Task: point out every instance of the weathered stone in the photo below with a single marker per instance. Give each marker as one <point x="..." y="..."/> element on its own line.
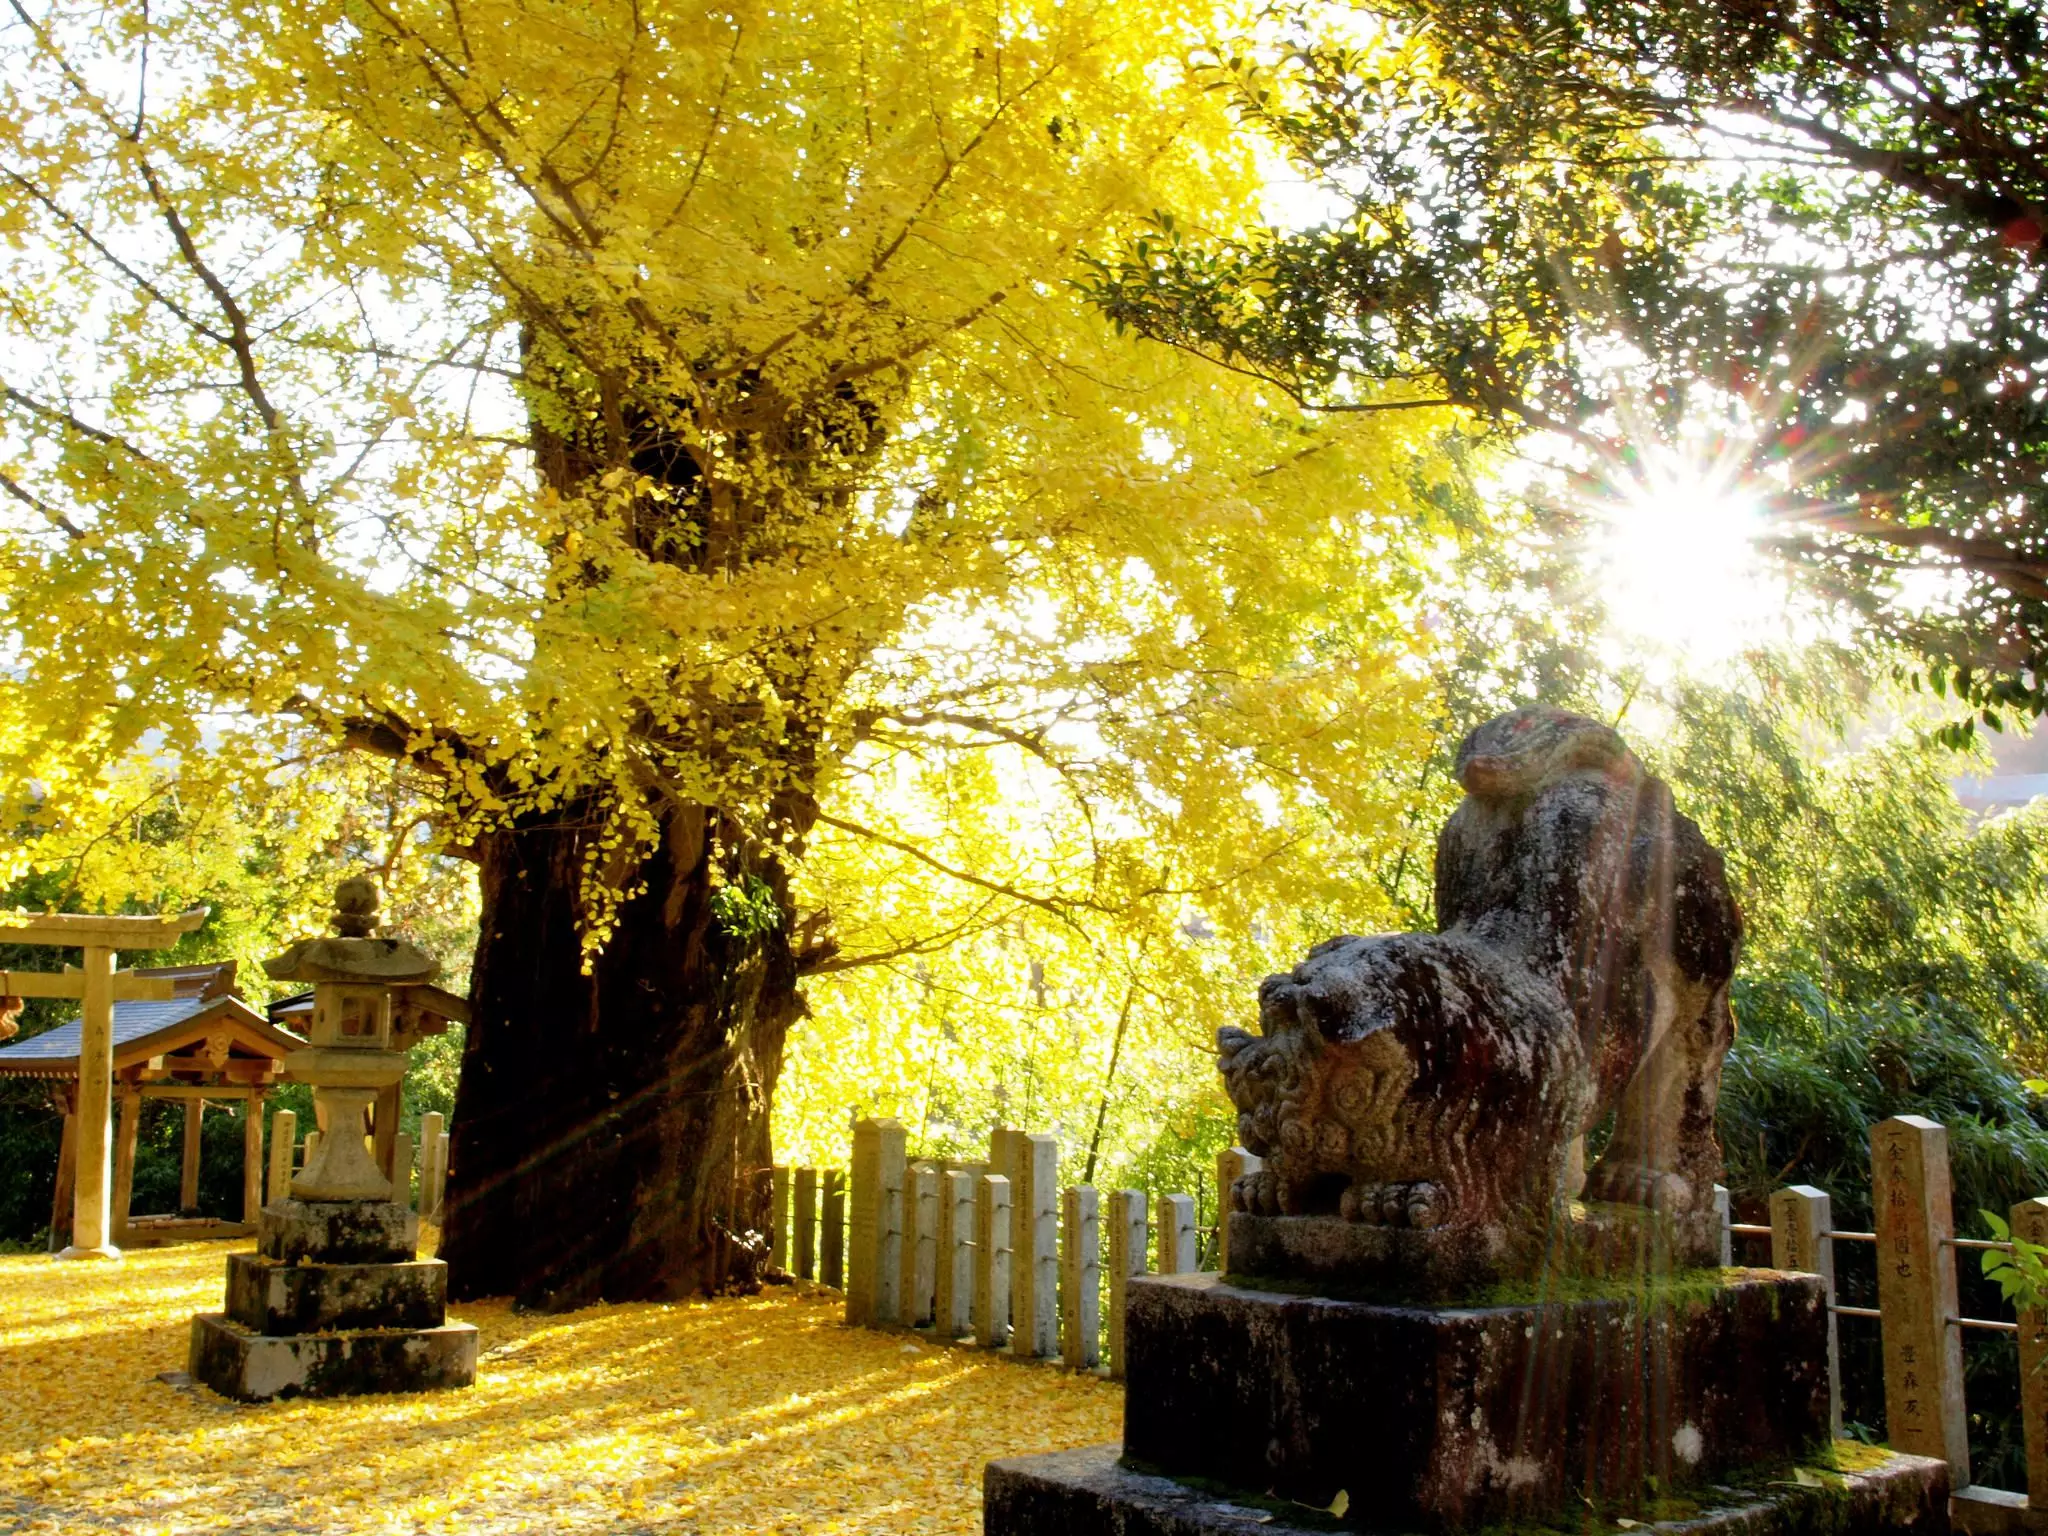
<point x="1585" y="942"/>
<point x="255" y="1367"/>
<point x="1436" y="1265"/>
<point x="1089" y="1492"/>
<point x="265" y="1296"/>
<point x="1450" y="1418"/>
<point x="337" y="1231"/>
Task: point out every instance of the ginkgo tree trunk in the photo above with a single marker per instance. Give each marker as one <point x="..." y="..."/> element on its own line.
<point x="647" y="418"/>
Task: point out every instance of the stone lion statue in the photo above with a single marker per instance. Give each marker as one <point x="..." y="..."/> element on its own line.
<point x="1585" y="941"/>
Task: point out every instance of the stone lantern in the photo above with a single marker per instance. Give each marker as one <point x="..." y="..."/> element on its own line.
<point x="349" y="1057"/>
<point x="336" y="1301"/>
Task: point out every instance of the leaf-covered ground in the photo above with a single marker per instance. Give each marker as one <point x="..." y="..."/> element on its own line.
<point x="754" y="1416"/>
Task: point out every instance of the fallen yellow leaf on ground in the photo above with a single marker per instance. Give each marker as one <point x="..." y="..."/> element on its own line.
<point x="709" y="1418"/>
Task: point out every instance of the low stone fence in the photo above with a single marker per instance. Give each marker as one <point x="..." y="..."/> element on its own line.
<point x="990" y="1253"/>
<point x="287" y="1156"/>
<point x="1918" y="1313"/>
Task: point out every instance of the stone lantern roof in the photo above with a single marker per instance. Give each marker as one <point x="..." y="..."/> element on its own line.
<point x="353" y="956"/>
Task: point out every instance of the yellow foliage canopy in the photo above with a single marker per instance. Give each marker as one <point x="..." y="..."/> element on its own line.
<point x="622" y="406"/>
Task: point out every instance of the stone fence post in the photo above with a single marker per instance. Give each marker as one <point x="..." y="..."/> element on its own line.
<point x="992" y="1262"/>
<point x="1232" y="1164"/>
<point x="832" y="1250"/>
<point x="1176" y="1235"/>
<point x="803" y="1237"/>
<point x="778" y="1216"/>
<point x="953" y="1273"/>
<point x="1080" y="1279"/>
<point x="1126" y="1258"/>
<point x="284" y="1130"/>
<point x="401" y="1168"/>
<point x="1035" y="1259"/>
<point x="1801" y="1218"/>
<point x="433" y="1165"/>
<point x="2030" y="1225"/>
<point x="920" y="1243"/>
<point x="1916" y="1291"/>
<point x="875" y="1241"/>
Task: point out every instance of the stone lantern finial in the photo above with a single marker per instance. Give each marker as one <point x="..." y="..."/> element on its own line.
<point x="355" y="907"/>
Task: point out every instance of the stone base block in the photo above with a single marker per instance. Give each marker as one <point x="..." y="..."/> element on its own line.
<point x="1089" y="1493"/>
<point x="267" y="1297"/>
<point x="1458" y="1417"/>
<point x="254" y="1368"/>
<point x="1441" y="1265"/>
<point x="338" y="1231"/>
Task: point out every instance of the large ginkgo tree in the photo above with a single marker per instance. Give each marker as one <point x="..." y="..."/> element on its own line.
<point x="671" y="424"/>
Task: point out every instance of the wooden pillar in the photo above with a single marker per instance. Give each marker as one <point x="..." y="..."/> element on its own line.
<point x="1916" y="1292"/>
<point x="1035" y="1256"/>
<point x="1080" y="1279"/>
<point x="804" y="1222"/>
<point x="384" y="1128"/>
<point x="94" y="1221"/>
<point x="252" y="1156"/>
<point x="188" y="1166"/>
<point x="832" y="1250"/>
<point x="1724" y="1218"/>
<point x="953" y="1251"/>
<point x="992" y="1262"/>
<point x="65" y="1096"/>
<point x="1176" y="1235"/>
<point x="778" y="1216"/>
<point x="123" y="1192"/>
<point x="1126" y="1258"/>
<point x="1801" y="1219"/>
<point x="2030" y="1225"/>
<point x="284" y="1132"/>
<point x="312" y="1145"/>
<point x="1232" y="1164"/>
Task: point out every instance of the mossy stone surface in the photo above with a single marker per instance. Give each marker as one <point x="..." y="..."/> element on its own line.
<point x="1457" y="1417"/>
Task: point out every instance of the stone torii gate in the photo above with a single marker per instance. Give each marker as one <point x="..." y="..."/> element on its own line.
<point x="96" y="985"/>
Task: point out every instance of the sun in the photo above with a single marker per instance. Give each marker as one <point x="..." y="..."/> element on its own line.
<point x="1678" y="564"/>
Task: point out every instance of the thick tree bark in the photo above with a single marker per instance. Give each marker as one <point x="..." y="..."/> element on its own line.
<point x="610" y="1128"/>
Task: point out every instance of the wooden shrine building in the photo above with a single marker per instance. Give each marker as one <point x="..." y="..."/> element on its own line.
<point x="204" y="1045"/>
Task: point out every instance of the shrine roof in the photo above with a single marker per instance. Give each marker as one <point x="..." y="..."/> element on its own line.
<point x="138" y="1027"/>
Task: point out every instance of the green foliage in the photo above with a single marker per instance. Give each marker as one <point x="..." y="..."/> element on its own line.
<point x="1818" y="230"/>
<point x="2022" y="1274"/>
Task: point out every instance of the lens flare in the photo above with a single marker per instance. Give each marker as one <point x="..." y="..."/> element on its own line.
<point x="1677" y="557"/>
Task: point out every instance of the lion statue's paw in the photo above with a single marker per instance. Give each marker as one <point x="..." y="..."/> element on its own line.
<point x="1631" y="1183"/>
<point x="1410" y="1203"/>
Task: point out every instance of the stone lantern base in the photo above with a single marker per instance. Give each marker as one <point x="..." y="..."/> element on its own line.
<point x="335" y="1302"/>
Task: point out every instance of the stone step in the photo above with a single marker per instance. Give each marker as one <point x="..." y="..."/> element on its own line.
<point x="267" y="1297"/>
<point x="254" y="1367"/>
<point x="1090" y="1493"/>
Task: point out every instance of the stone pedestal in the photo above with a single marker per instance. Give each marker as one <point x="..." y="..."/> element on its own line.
<point x="333" y="1303"/>
<point x="1263" y="1406"/>
<point x="1455" y="1417"/>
